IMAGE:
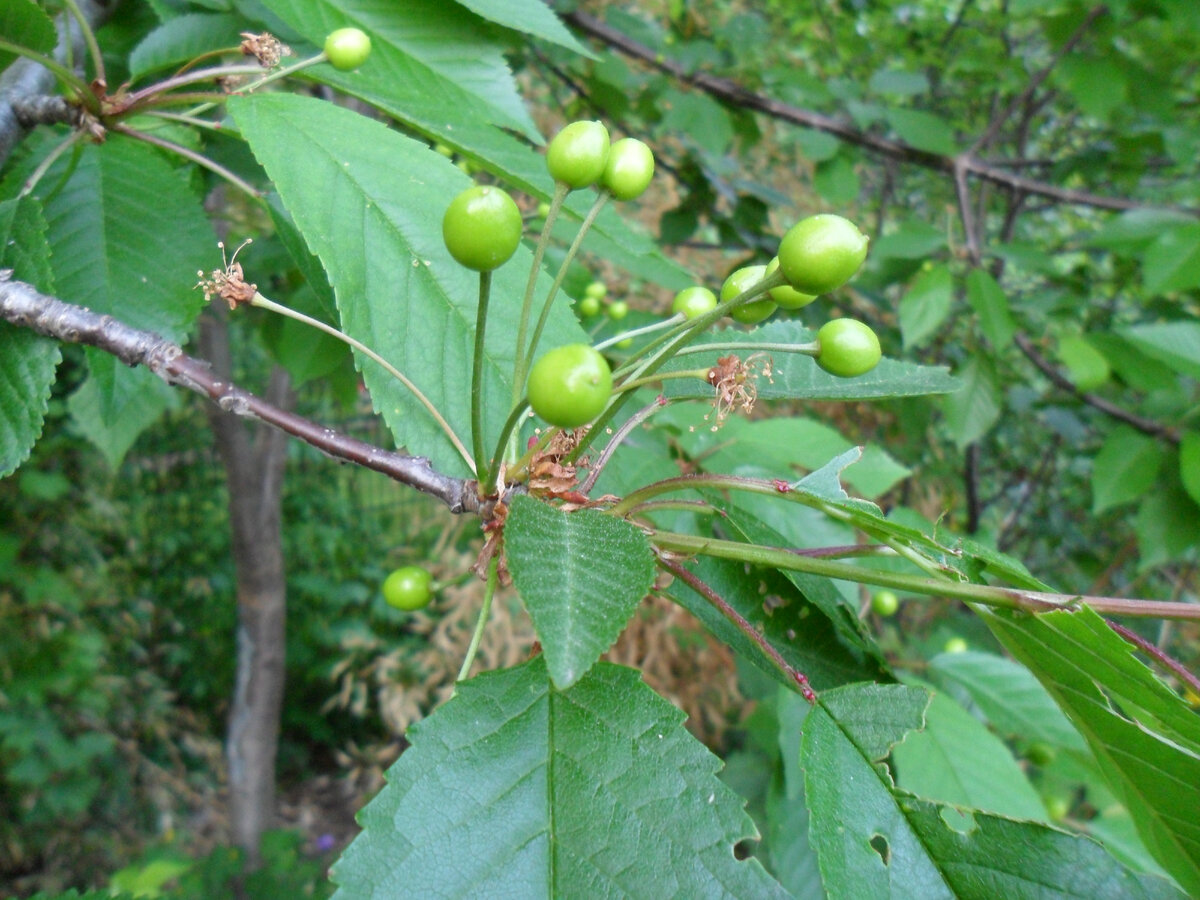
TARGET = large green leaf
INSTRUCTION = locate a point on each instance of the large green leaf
(1145, 738)
(874, 841)
(127, 234)
(27, 360)
(1009, 696)
(517, 789)
(956, 760)
(369, 203)
(581, 575)
(925, 305)
(23, 22)
(435, 105)
(437, 48)
(988, 300)
(795, 376)
(183, 39)
(972, 411)
(1175, 343)
(1125, 468)
(529, 16)
(1172, 262)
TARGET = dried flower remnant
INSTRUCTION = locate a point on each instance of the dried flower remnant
(229, 283)
(736, 384)
(265, 47)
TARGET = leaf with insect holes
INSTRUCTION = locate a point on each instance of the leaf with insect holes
(873, 840)
(515, 788)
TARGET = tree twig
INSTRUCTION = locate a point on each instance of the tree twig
(1158, 655)
(24, 306)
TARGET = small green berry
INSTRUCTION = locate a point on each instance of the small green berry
(597, 289)
(577, 155)
(617, 310)
(786, 296)
(482, 227)
(408, 588)
(847, 348)
(885, 603)
(955, 645)
(693, 301)
(347, 48)
(588, 307)
(821, 253)
(629, 168)
(739, 282)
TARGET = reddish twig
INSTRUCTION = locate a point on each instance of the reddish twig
(740, 623)
(1158, 655)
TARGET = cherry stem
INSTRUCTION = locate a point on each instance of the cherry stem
(610, 448)
(198, 158)
(812, 349)
(511, 426)
(601, 199)
(521, 365)
(263, 303)
(481, 463)
(61, 72)
(645, 329)
(89, 38)
(742, 625)
(43, 167)
(488, 592)
(668, 345)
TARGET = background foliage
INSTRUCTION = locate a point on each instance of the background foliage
(1027, 172)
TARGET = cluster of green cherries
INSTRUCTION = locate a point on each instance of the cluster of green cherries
(571, 385)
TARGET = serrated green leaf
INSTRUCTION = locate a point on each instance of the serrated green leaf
(1172, 261)
(515, 788)
(913, 239)
(988, 300)
(27, 360)
(1008, 695)
(1175, 343)
(836, 180)
(580, 575)
(127, 234)
(925, 305)
(113, 418)
(23, 22)
(1189, 463)
(1125, 468)
(956, 760)
(799, 630)
(1086, 366)
(1097, 84)
(183, 39)
(1145, 738)
(975, 408)
(434, 106)
(923, 130)
(796, 376)
(528, 16)
(874, 841)
(1165, 524)
(369, 203)
(772, 448)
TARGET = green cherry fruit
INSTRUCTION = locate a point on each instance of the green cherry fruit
(786, 296)
(955, 645)
(543, 209)
(347, 48)
(693, 301)
(408, 588)
(885, 603)
(821, 253)
(482, 227)
(1041, 754)
(577, 154)
(738, 283)
(617, 310)
(847, 348)
(1058, 806)
(588, 307)
(597, 289)
(629, 169)
(570, 385)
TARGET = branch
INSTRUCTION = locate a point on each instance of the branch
(734, 94)
(1146, 426)
(23, 306)
(1158, 655)
(24, 80)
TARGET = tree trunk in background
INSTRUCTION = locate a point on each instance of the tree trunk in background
(254, 466)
